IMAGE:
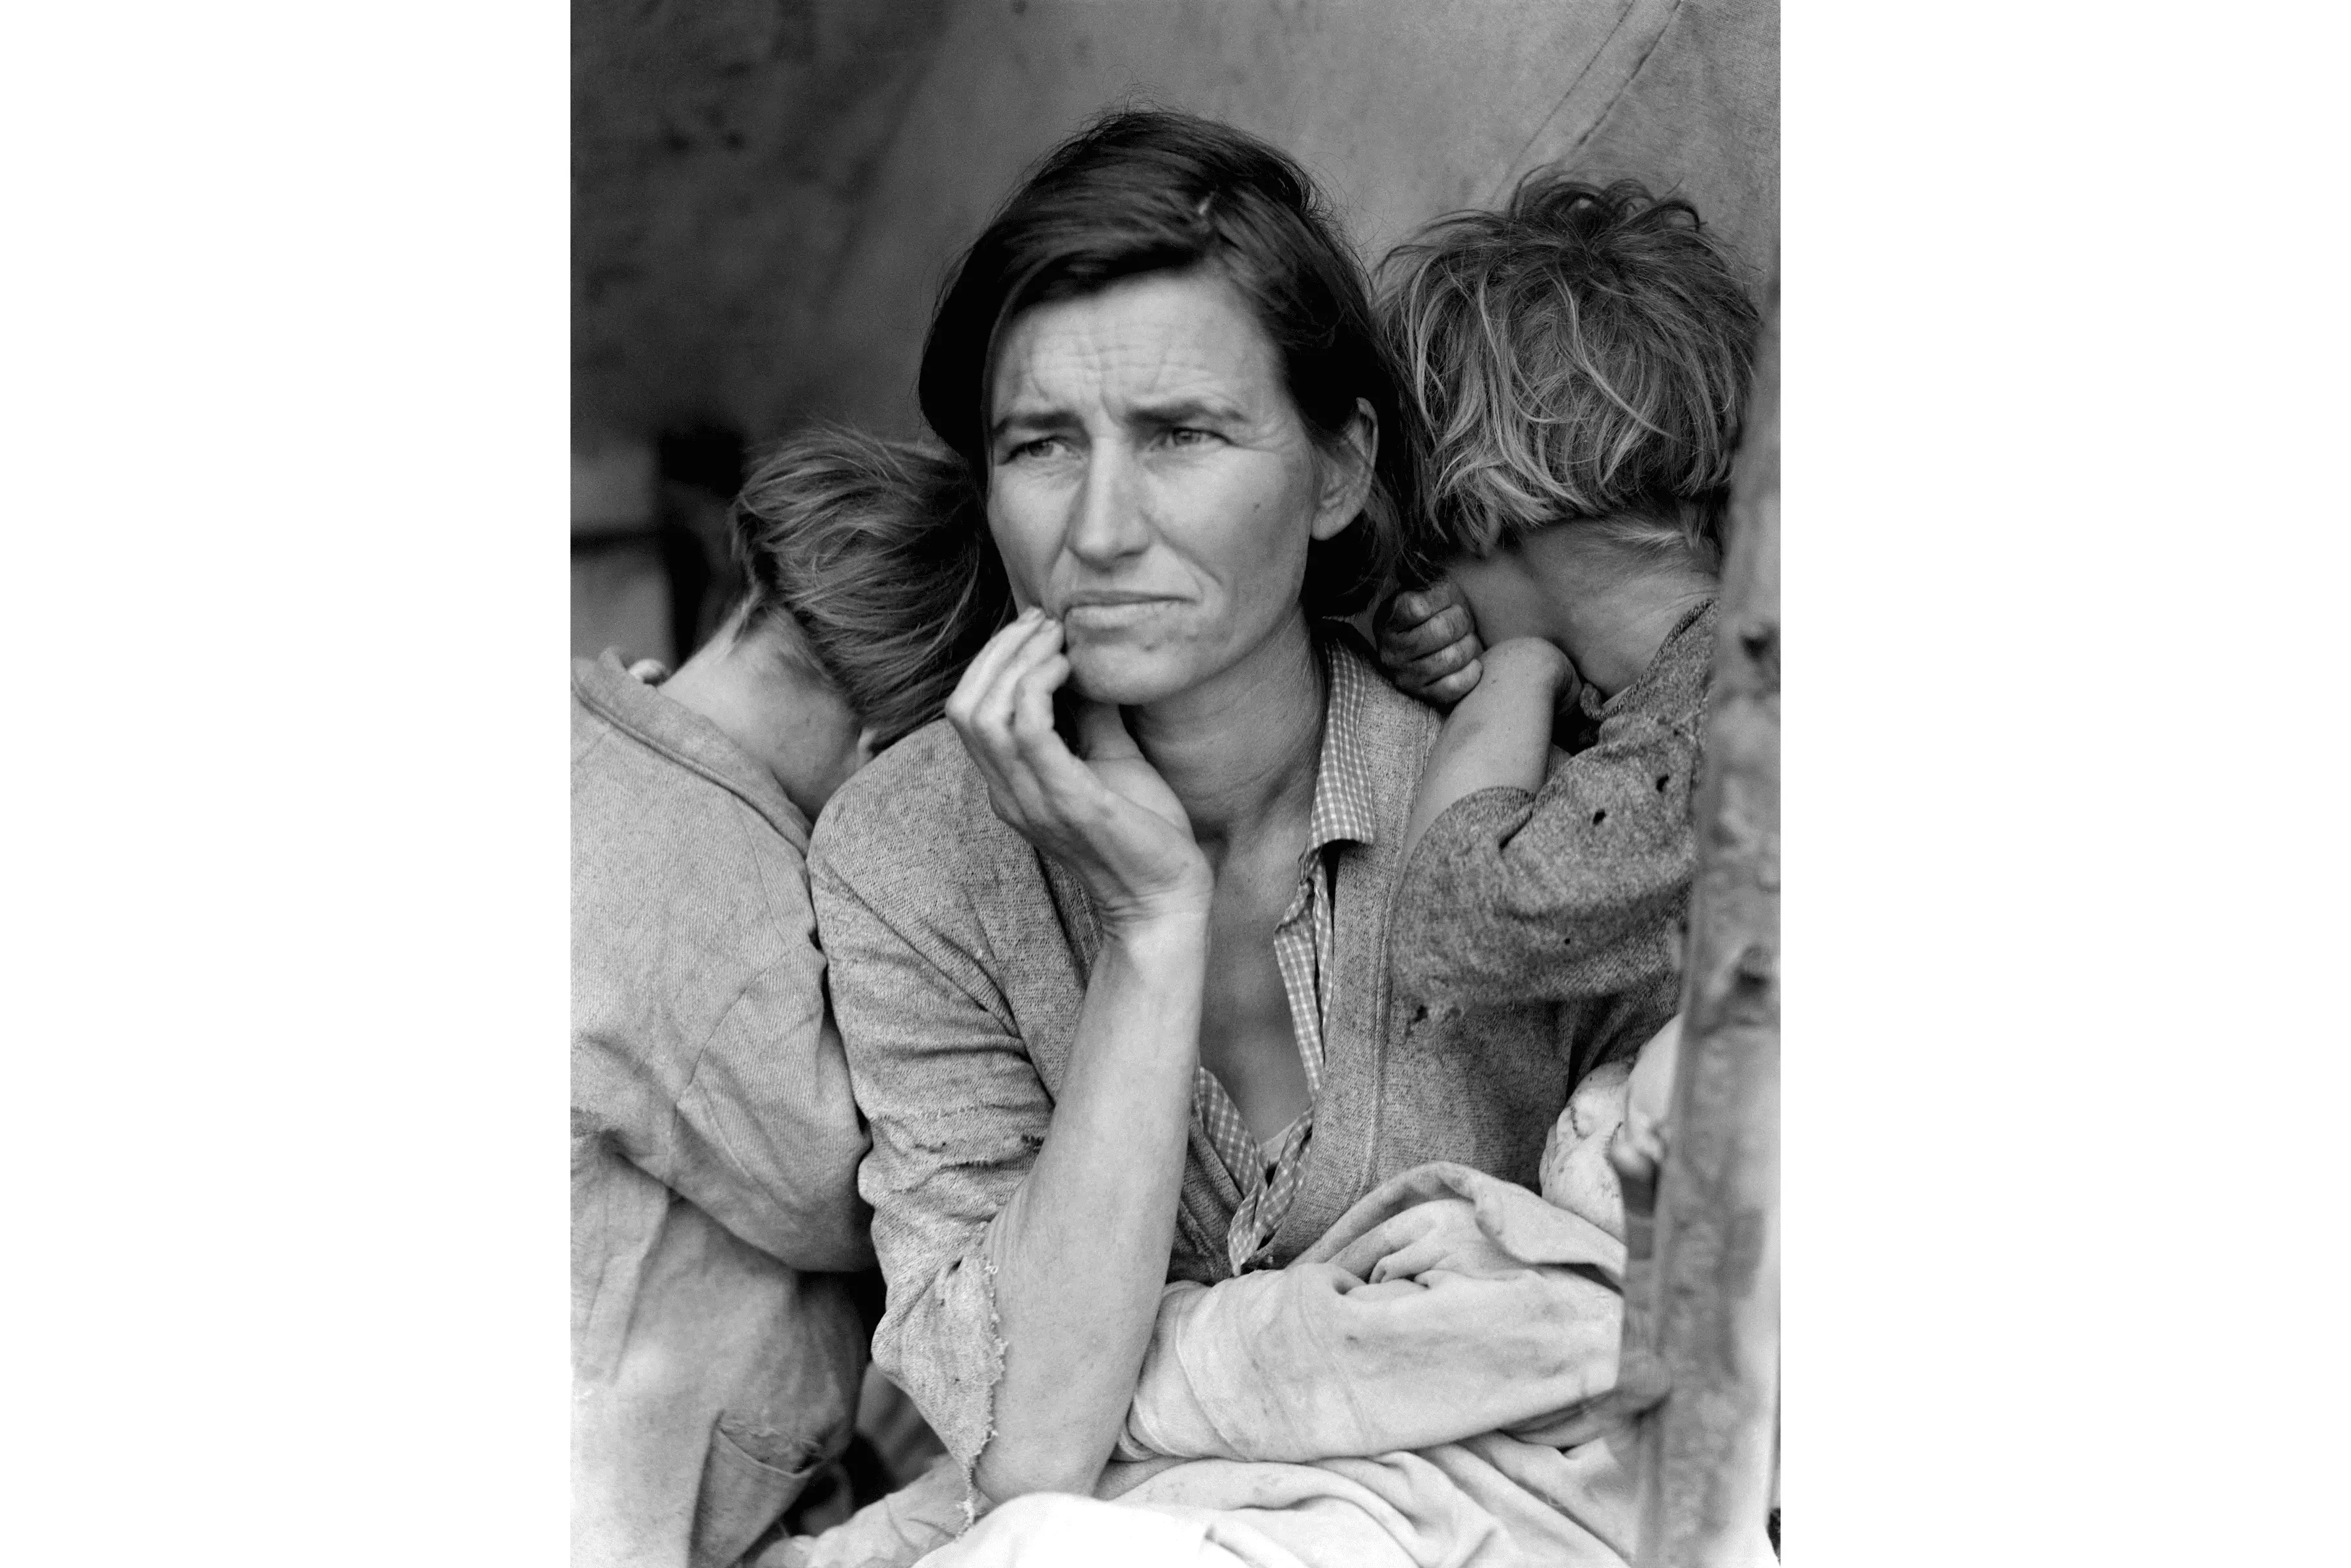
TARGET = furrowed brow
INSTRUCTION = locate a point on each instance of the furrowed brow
(1034, 418)
(1188, 411)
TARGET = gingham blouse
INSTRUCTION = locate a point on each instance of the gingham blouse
(1342, 812)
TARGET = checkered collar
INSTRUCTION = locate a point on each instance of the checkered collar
(1342, 811)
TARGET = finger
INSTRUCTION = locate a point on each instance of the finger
(1451, 624)
(1069, 790)
(1015, 719)
(1103, 734)
(1032, 703)
(1001, 647)
(972, 708)
(1401, 613)
(1452, 688)
(1420, 603)
(1407, 609)
(979, 677)
(992, 711)
(1060, 793)
(1432, 667)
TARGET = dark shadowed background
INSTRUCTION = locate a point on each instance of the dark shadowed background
(767, 194)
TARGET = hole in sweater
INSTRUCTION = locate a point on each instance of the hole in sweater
(1600, 816)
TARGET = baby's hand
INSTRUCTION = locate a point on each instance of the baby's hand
(1637, 1149)
(1429, 644)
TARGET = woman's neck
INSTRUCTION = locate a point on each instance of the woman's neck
(1610, 610)
(1240, 750)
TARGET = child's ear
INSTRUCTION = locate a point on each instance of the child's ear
(866, 746)
(1347, 473)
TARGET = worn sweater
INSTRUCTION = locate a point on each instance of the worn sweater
(1578, 890)
(960, 963)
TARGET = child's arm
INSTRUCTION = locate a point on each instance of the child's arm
(1569, 893)
(1499, 734)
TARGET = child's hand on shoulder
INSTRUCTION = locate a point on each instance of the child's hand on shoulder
(1428, 644)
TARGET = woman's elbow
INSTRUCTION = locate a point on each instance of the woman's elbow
(1010, 1470)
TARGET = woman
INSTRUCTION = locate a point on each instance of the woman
(1118, 1016)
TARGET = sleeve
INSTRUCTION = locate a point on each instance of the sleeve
(1460, 1313)
(1566, 895)
(957, 1113)
(758, 1128)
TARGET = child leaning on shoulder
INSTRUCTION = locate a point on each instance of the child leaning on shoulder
(1581, 359)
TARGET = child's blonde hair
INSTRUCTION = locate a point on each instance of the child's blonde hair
(1583, 353)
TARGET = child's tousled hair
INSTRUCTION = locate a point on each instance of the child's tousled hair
(1582, 353)
(868, 557)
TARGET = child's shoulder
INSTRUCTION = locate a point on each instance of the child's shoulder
(1672, 691)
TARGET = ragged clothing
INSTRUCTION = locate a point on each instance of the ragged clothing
(960, 959)
(1578, 890)
(1304, 945)
(1433, 1386)
(717, 1348)
(1444, 1305)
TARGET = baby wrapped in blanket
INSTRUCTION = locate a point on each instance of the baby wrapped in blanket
(1435, 1383)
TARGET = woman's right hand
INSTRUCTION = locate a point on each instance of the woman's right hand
(1111, 820)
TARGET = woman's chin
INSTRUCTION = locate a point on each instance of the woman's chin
(1128, 677)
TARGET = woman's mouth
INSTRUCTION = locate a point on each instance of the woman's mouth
(1112, 612)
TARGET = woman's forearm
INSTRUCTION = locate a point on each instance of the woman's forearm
(1081, 1250)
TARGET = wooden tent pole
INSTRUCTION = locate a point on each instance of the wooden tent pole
(1707, 1452)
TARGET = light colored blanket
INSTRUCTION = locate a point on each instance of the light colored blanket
(1446, 1304)
(1433, 1386)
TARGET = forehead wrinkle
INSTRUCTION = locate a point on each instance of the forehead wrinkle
(1136, 359)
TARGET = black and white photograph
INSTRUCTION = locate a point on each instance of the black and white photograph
(1164, 596)
(1122, 669)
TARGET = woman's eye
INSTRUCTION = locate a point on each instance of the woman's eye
(1041, 447)
(1189, 435)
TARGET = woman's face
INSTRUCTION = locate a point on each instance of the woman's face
(1151, 483)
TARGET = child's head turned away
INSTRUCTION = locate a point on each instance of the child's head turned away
(1582, 355)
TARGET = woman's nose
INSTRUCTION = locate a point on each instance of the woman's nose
(1106, 520)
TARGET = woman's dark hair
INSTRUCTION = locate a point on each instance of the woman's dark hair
(1142, 191)
(868, 566)
(1583, 353)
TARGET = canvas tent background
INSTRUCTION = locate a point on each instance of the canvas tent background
(768, 192)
